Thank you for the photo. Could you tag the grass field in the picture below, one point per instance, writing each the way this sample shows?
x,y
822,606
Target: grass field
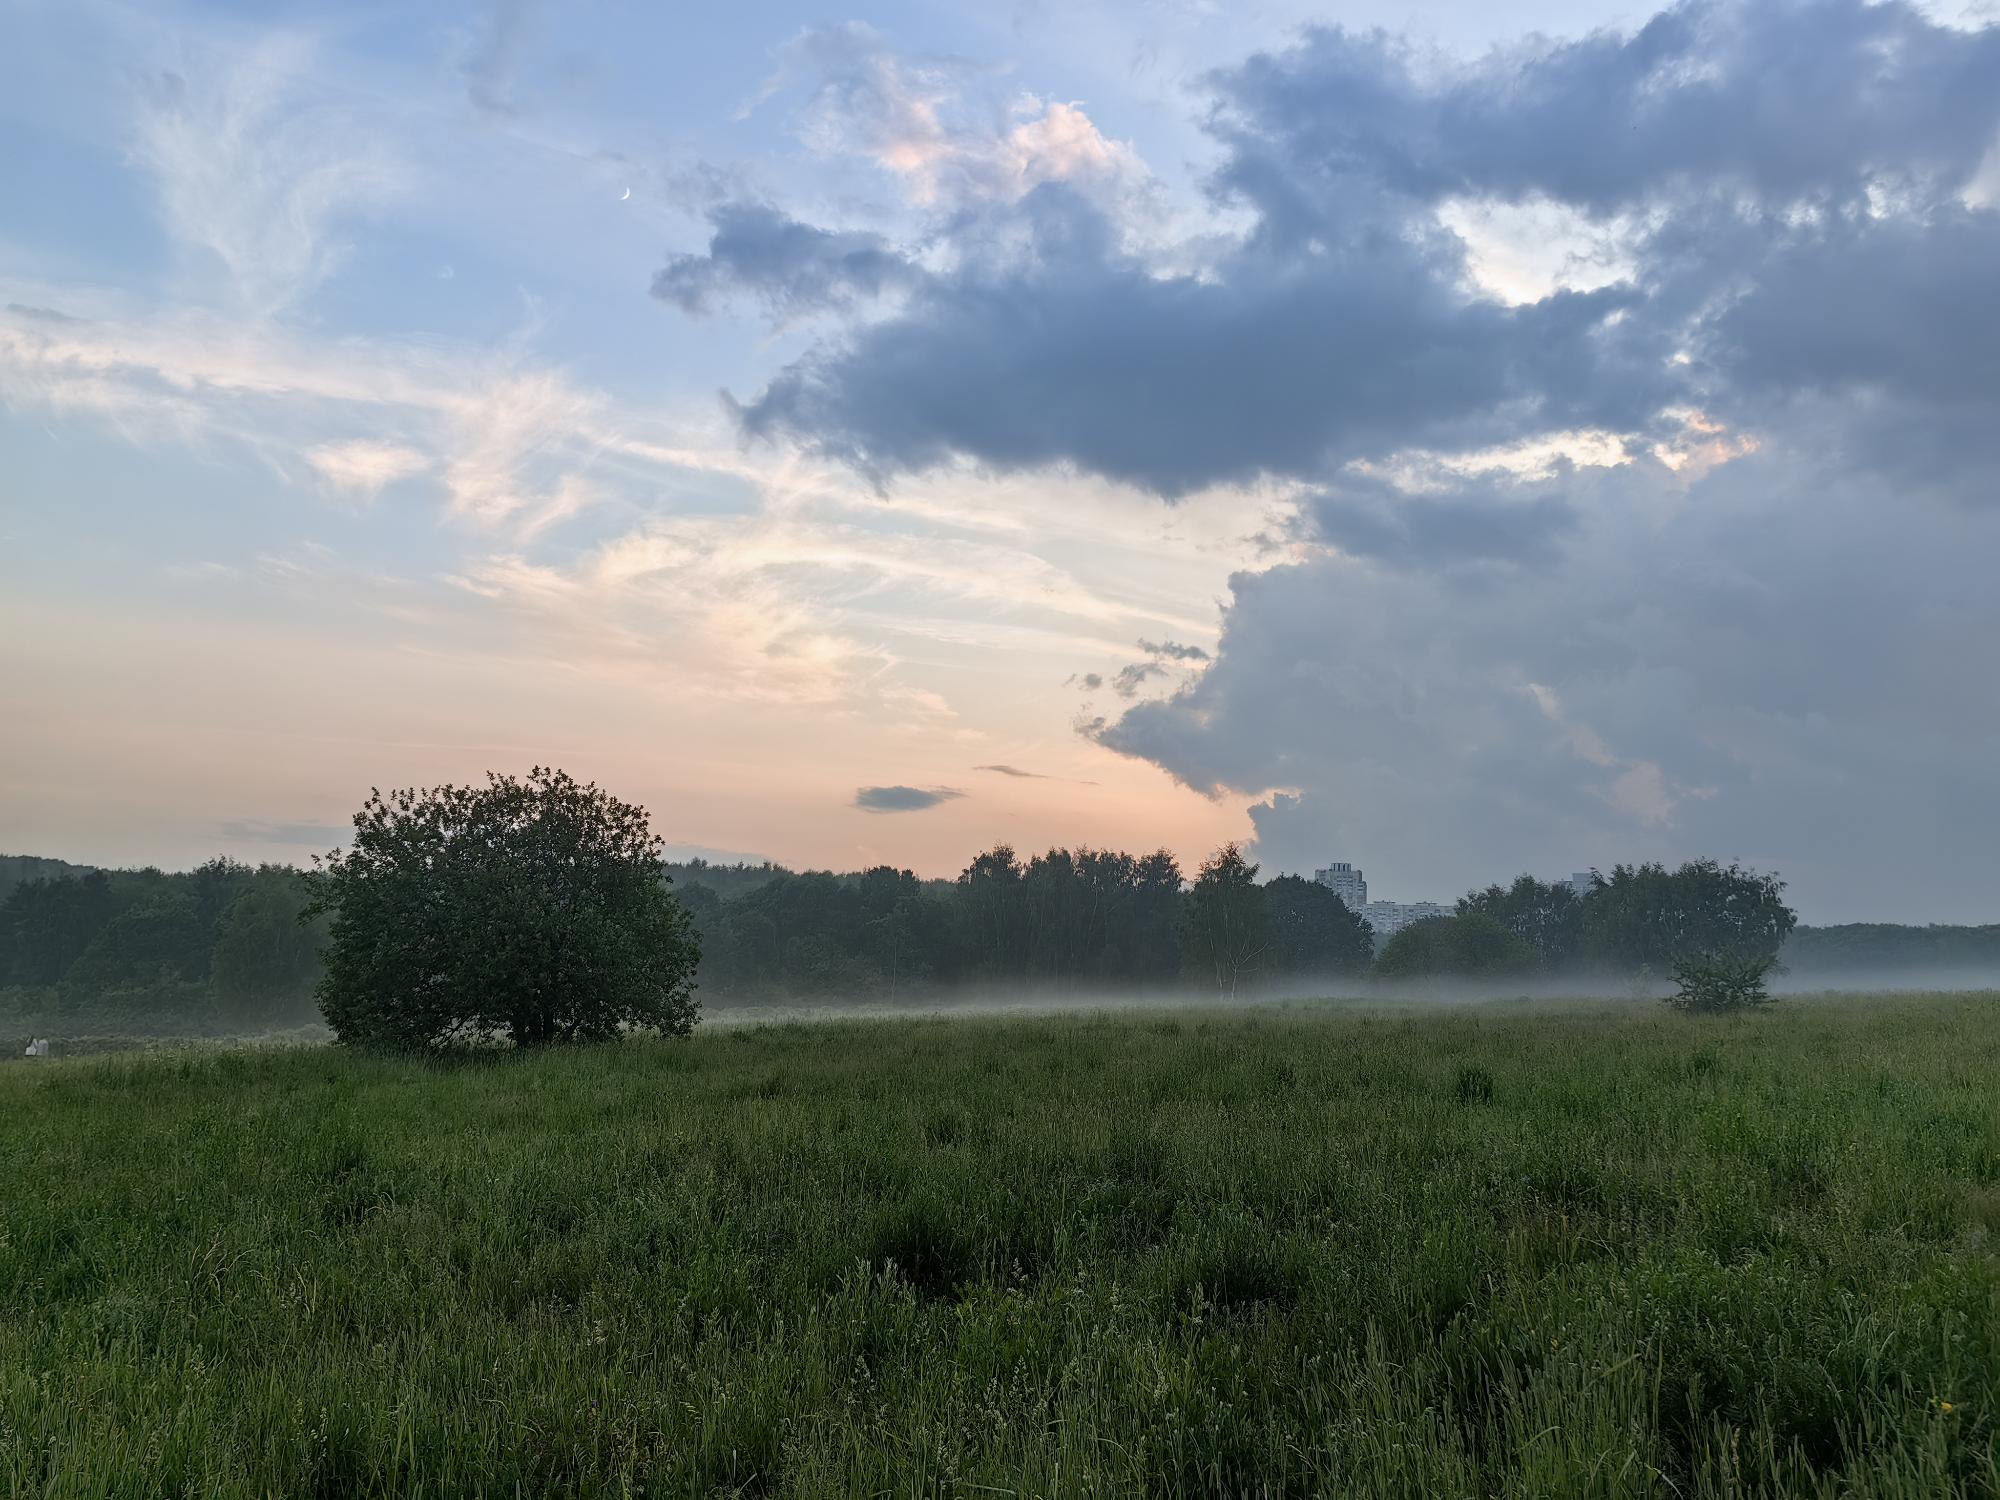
x,y
1498,1250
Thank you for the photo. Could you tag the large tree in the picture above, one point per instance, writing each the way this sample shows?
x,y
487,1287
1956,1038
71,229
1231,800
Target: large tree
x,y
1546,914
1646,916
1314,934
531,908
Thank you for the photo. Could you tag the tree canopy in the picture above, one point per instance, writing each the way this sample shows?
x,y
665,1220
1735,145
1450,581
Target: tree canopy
x,y
1313,934
532,908
1469,945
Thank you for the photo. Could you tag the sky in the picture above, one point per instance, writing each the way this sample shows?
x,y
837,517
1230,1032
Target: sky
x,y
1454,438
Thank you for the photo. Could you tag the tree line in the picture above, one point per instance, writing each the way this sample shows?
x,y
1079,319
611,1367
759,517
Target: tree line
x,y
228,945
1076,920
219,947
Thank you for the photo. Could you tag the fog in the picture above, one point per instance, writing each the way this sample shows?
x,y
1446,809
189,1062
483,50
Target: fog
x,y
990,1002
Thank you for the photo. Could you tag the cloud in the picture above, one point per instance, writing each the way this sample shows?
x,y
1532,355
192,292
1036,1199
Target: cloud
x,y
687,853
1638,540
1783,102
257,170
929,121
1471,523
492,64
1173,651
315,835
895,799
505,436
790,267
1876,334
1135,676
1018,774
365,465
1744,170
1078,354
39,314
1688,676
1639,788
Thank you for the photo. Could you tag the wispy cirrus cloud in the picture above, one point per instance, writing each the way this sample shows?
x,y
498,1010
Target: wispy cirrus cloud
x,y
362,466
259,169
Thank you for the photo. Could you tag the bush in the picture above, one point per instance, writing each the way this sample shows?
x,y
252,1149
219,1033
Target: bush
x,y
534,910
1715,983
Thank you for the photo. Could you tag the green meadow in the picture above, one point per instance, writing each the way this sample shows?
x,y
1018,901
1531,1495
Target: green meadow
x,y
1505,1249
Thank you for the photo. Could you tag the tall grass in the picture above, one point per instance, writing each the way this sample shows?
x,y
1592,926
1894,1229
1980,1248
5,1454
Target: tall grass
x,y
1503,1250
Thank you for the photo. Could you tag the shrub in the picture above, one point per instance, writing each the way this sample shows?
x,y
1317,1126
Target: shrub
x,y
1713,983
531,909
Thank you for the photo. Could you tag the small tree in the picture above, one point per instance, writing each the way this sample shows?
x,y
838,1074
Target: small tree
x,y
534,909
1716,982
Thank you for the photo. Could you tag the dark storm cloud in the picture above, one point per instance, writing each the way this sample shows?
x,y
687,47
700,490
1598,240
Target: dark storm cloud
x,y
1131,678
1801,170
1778,98
789,266
1083,356
895,799
1473,523
1881,334
1765,667
1776,157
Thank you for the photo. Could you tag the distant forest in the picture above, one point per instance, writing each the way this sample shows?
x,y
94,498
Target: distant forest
x,y
221,948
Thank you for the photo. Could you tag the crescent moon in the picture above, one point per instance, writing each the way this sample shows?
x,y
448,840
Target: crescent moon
x,y
624,195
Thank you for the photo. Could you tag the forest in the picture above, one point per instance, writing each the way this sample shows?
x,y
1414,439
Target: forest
x,y
222,948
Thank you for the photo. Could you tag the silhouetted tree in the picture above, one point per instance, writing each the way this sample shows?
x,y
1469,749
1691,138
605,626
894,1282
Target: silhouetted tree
x,y
1313,933
1548,915
993,912
1646,915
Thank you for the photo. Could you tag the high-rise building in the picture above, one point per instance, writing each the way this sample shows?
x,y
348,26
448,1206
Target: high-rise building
x,y
1391,917
1581,883
1345,882
1386,917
